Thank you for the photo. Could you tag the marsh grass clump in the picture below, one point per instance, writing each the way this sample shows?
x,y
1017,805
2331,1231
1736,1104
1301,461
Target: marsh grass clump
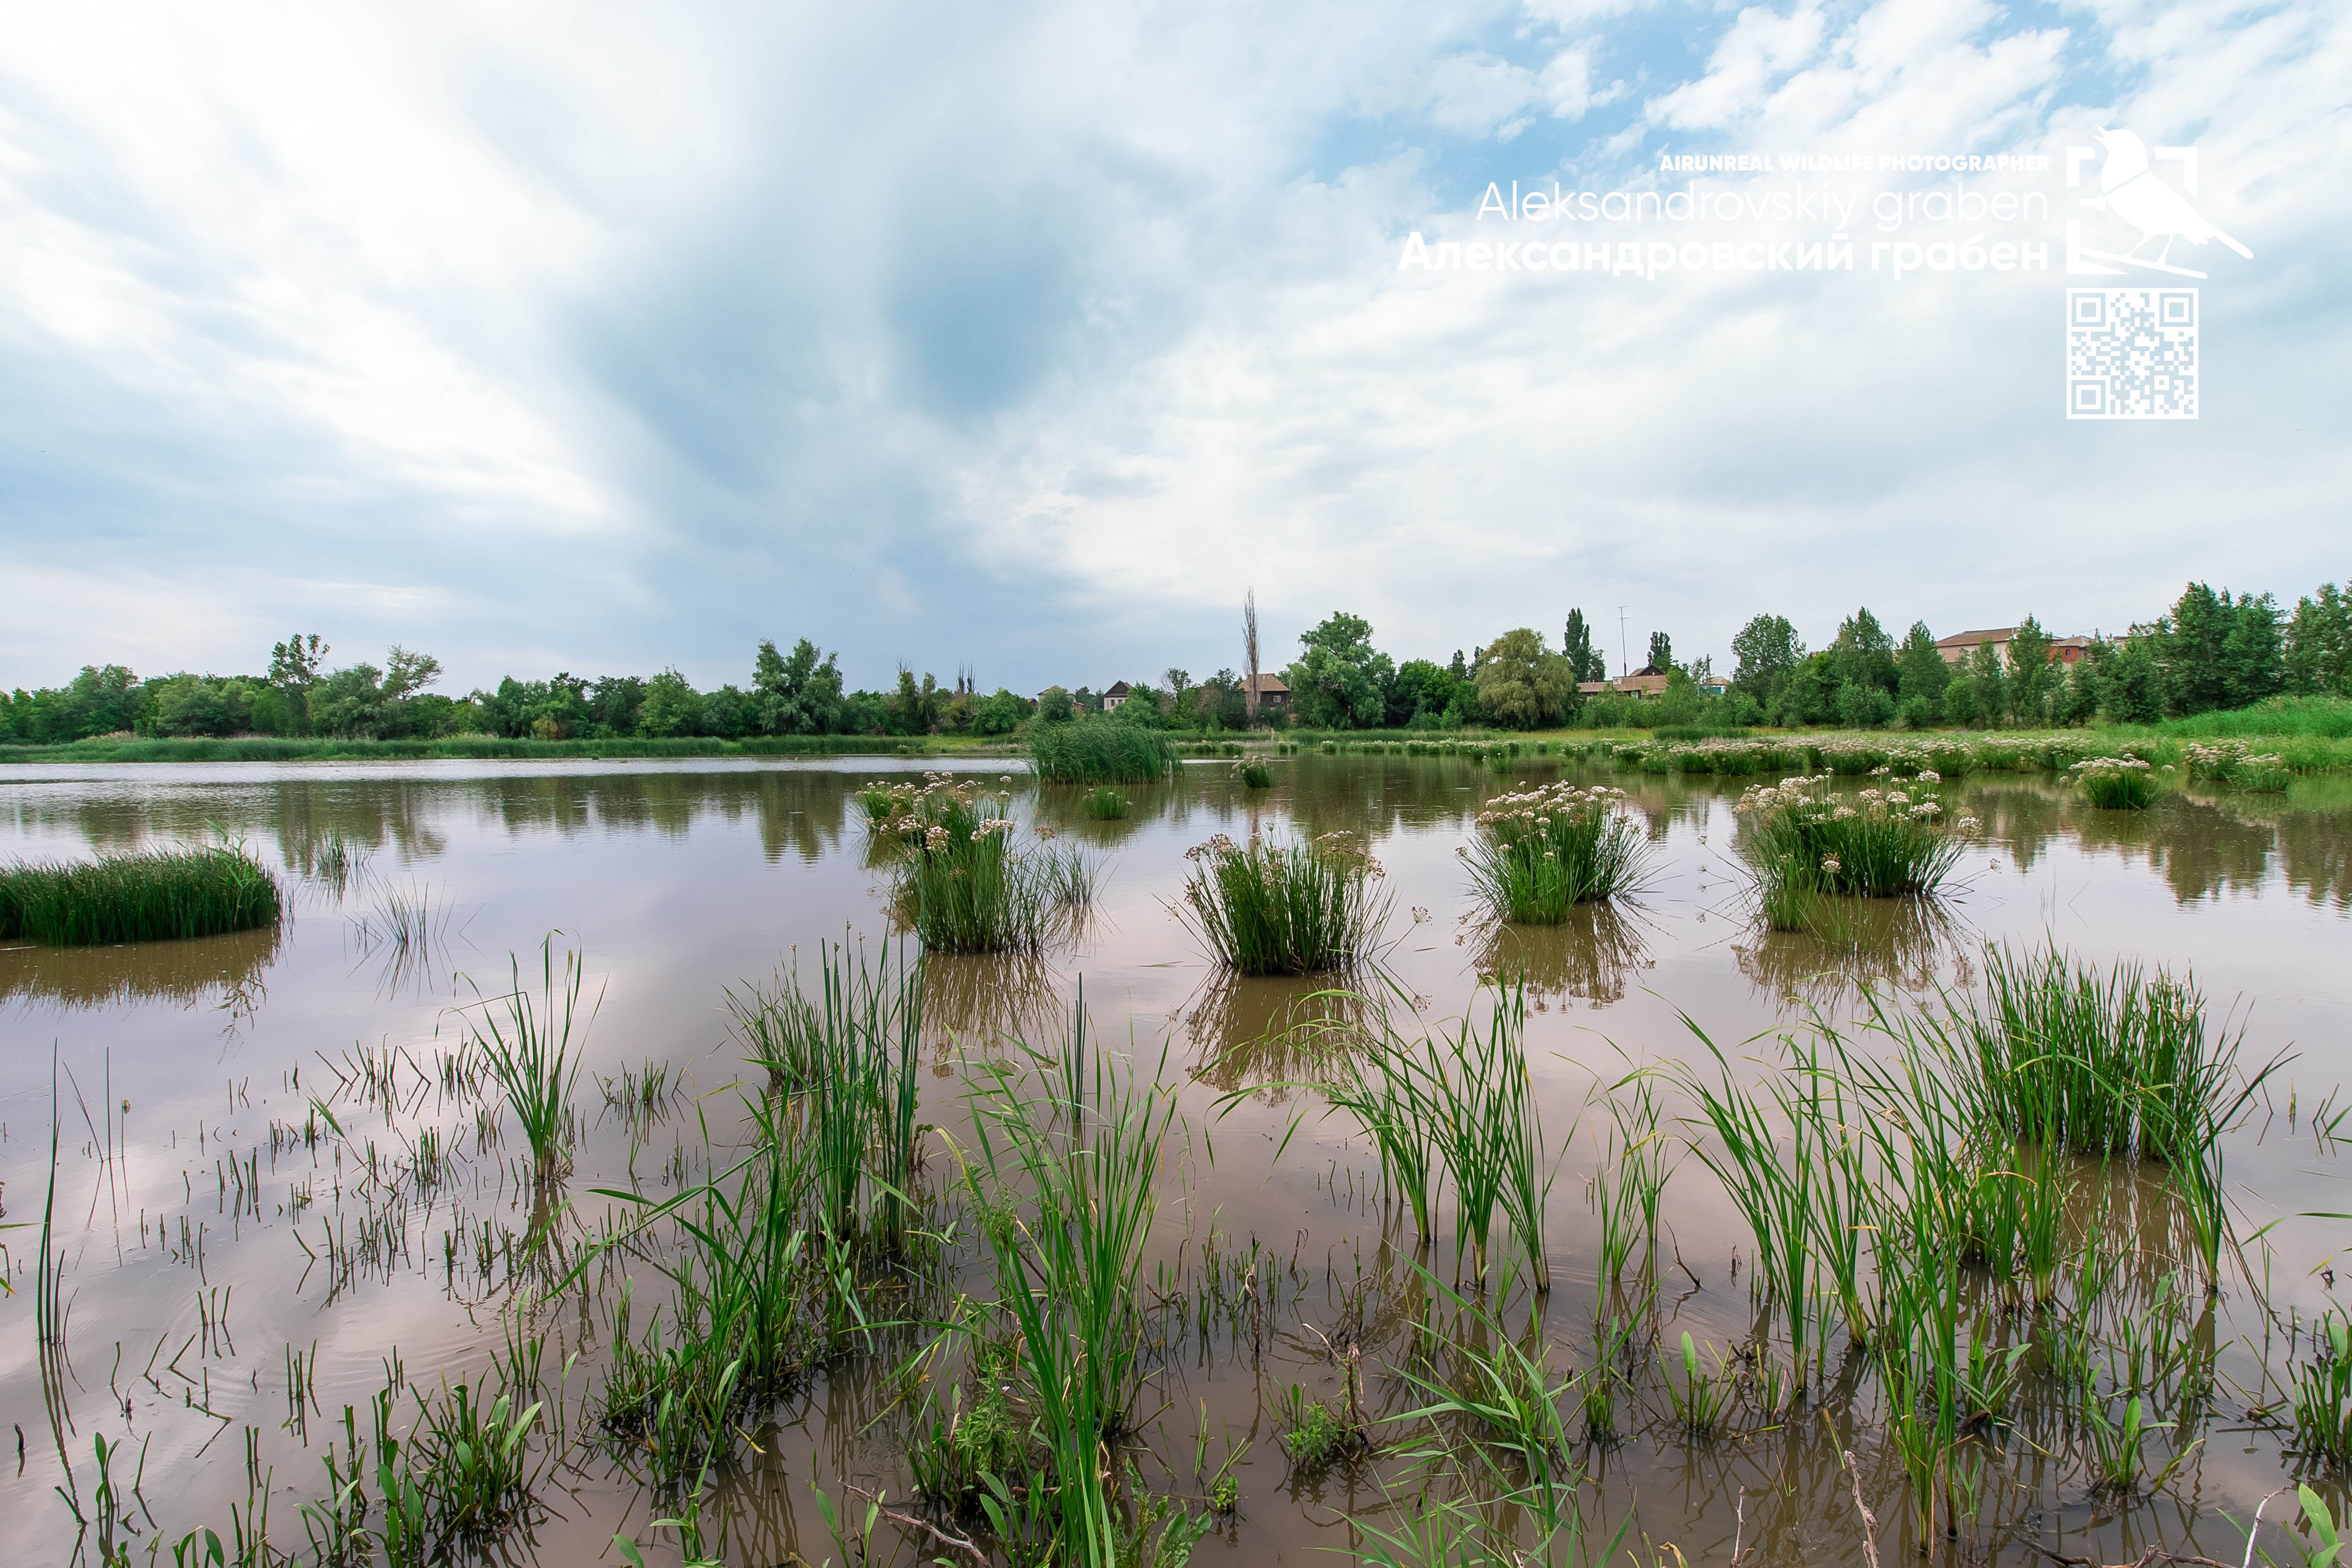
x,y
531,1054
1543,851
1295,909
1456,1110
1105,804
962,887
2101,1062
1065,1182
2116,784
1886,841
1096,750
1256,775
148,896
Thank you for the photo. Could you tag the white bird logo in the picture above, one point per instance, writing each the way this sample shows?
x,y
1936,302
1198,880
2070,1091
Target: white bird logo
x,y
2130,190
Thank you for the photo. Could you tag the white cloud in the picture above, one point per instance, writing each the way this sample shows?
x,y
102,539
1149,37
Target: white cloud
x,y
624,341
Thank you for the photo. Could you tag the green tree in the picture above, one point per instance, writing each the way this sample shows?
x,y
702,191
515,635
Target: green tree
x,y
1522,684
1767,650
1340,681
799,695
1921,676
2317,660
1422,685
2128,680
350,703
1662,652
1862,653
1988,686
1056,706
2033,680
1586,661
999,712
2254,654
672,706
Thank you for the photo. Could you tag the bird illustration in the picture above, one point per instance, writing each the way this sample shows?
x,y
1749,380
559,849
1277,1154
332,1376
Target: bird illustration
x,y
2128,190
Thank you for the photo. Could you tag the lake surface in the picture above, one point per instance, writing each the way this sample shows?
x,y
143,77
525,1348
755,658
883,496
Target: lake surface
x,y
190,1291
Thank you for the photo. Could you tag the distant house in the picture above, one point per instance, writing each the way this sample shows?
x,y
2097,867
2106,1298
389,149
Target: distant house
x,y
1957,648
1645,681
1115,696
1713,686
1051,689
1273,696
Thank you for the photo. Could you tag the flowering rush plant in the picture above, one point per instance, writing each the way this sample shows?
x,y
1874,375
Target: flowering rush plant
x,y
2120,784
1890,839
1541,851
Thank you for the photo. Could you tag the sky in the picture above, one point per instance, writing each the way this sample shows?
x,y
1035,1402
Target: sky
x,y
1027,338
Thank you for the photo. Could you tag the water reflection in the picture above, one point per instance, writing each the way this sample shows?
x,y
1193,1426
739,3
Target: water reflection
x,y
1910,945
225,971
1592,957
1277,1031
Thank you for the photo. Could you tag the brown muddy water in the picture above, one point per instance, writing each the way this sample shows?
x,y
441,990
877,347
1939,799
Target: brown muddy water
x,y
217,1325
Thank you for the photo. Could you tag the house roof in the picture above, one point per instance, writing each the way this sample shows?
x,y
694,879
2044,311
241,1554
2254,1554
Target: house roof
x,y
1970,639
1264,683
1121,690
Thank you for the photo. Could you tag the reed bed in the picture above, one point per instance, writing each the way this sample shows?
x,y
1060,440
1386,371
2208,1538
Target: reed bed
x,y
1541,852
1256,775
1303,907
1096,750
149,896
2116,784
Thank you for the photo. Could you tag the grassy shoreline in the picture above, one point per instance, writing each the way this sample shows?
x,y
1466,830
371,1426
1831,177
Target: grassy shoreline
x,y
2304,748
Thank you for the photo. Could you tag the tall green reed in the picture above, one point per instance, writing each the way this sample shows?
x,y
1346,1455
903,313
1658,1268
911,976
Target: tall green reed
x,y
530,1052
1297,909
150,896
1097,750
1066,1186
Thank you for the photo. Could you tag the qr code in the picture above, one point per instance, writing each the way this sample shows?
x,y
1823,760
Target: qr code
x,y
2131,353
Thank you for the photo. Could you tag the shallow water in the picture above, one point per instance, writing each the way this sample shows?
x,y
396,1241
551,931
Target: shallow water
x,y
674,880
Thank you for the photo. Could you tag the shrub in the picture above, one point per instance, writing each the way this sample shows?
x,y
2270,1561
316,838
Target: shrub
x,y
1298,909
146,897
1095,750
1541,852
2116,784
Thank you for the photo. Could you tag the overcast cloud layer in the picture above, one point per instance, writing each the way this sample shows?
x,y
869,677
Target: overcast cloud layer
x,y
1027,337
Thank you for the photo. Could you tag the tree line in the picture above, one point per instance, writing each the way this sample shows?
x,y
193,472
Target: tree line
x,y
2210,650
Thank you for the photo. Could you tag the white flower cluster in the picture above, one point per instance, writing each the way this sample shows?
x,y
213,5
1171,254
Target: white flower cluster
x,y
1537,808
2089,765
1794,795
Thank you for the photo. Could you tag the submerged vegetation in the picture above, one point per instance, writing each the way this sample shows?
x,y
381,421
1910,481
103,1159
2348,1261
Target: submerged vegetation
x,y
1283,908
1542,851
149,896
